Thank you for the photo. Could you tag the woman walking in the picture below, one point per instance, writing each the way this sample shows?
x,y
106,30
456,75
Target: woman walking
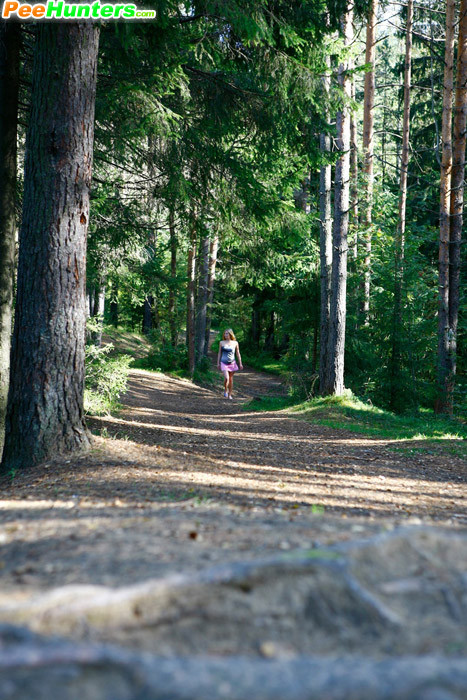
x,y
228,348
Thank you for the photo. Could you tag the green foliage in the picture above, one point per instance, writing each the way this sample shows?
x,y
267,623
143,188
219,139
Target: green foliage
x,y
106,379
164,358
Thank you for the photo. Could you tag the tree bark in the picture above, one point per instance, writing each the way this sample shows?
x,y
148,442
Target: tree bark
x,y
444,363
191,275
202,299
325,243
368,151
173,282
457,202
10,38
334,380
399,241
211,279
45,403
354,176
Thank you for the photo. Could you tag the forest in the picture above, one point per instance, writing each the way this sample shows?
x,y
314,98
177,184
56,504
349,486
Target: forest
x,y
293,170
273,189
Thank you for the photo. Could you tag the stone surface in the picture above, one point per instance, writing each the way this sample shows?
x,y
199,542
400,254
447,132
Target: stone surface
x,y
400,593
40,668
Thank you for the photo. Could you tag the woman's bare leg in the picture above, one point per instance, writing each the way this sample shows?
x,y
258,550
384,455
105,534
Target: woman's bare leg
x,y
231,376
226,381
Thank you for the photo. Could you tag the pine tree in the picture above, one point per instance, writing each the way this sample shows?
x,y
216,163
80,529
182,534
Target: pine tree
x,y
45,404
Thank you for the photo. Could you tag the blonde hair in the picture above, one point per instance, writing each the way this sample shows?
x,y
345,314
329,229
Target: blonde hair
x,y
230,332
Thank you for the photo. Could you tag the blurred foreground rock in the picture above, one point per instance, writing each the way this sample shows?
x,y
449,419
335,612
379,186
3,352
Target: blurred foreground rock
x,y
382,618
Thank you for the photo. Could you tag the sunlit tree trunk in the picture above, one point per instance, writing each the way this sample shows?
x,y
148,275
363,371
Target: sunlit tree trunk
x,y
399,240
457,202
325,241
45,402
334,380
9,86
354,176
368,150
191,277
444,360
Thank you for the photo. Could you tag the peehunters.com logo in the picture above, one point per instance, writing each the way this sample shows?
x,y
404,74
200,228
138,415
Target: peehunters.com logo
x,y
54,10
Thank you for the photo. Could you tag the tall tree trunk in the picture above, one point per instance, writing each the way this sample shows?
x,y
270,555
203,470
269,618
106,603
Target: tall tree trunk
x,y
191,275
325,243
444,360
368,150
202,299
399,241
457,201
173,281
211,279
10,38
354,176
334,380
45,402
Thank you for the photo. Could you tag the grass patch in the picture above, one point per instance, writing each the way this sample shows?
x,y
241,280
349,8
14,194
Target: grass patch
x,y
350,413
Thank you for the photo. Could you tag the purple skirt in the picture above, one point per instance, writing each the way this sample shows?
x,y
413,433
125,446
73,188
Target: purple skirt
x,y
232,367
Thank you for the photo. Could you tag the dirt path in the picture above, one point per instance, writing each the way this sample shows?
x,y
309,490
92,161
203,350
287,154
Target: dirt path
x,y
183,478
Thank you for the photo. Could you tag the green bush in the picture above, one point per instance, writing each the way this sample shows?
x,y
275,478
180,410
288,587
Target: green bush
x,y
106,379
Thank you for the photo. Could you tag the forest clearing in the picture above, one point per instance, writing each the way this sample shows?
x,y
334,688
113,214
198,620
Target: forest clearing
x,y
233,400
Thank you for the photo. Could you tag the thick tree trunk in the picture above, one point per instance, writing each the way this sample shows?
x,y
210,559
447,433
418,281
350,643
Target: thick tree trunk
x,y
202,299
191,275
368,151
444,363
325,245
173,282
334,380
10,38
45,402
211,279
457,202
399,241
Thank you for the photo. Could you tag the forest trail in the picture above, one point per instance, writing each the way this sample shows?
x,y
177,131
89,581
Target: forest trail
x,y
183,478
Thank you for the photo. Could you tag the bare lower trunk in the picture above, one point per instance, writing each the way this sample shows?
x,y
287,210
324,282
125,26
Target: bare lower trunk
x,y
325,246
368,151
211,279
444,364
45,403
9,85
191,275
399,242
334,380
202,300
